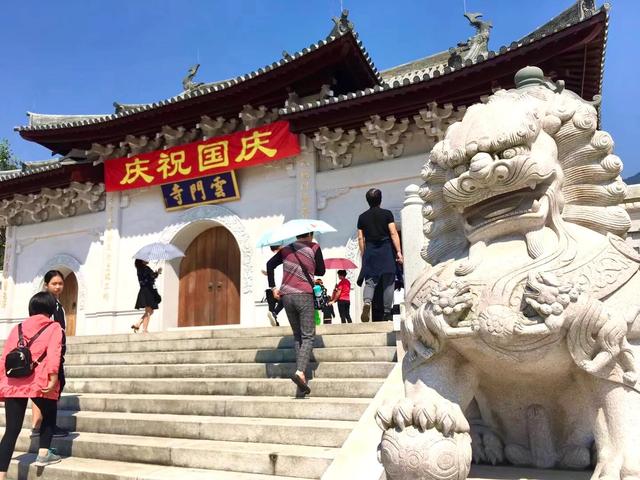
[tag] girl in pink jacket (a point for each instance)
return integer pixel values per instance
(41, 386)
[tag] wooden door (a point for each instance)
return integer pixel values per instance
(210, 280)
(69, 301)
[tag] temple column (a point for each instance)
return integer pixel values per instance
(111, 246)
(306, 179)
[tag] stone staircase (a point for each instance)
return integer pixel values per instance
(210, 404)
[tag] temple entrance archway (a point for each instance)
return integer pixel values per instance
(69, 301)
(209, 280)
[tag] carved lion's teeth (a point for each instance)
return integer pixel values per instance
(532, 185)
(535, 206)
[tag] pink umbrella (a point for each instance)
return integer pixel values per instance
(339, 264)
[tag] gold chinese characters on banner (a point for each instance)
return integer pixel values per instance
(193, 160)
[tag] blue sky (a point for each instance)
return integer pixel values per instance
(79, 56)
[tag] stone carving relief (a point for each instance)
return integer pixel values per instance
(33, 208)
(215, 127)
(255, 117)
(99, 153)
(435, 120)
(172, 137)
(527, 361)
(336, 146)
(388, 135)
(50, 204)
(142, 144)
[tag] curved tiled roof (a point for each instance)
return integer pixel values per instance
(428, 73)
(31, 169)
(51, 122)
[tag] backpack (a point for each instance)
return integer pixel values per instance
(17, 363)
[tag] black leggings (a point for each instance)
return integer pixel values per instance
(14, 409)
(343, 309)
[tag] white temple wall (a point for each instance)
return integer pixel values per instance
(70, 244)
(341, 199)
(99, 247)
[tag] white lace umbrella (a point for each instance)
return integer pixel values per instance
(299, 226)
(157, 251)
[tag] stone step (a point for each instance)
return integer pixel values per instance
(76, 468)
(327, 408)
(231, 332)
(315, 433)
(320, 387)
(336, 354)
(240, 343)
(482, 472)
(232, 370)
(256, 458)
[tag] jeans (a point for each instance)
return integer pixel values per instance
(14, 409)
(388, 286)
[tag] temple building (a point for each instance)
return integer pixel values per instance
(214, 167)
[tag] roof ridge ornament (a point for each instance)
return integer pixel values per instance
(477, 45)
(187, 82)
(587, 8)
(341, 25)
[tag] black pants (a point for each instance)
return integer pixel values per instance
(14, 409)
(301, 315)
(62, 380)
(275, 306)
(343, 310)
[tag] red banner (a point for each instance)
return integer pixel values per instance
(220, 154)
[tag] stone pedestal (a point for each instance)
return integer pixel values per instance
(510, 473)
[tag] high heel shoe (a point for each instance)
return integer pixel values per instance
(135, 328)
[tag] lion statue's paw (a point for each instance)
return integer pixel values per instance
(486, 447)
(424, 440)
(441, 414)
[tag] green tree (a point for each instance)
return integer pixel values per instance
(8, 161)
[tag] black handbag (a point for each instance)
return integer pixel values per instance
(17, 363)
(156, 295)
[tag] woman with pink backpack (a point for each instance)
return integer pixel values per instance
(31, 360)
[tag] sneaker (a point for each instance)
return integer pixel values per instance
(49, 459)
(35, 432)
(60, 432)
(273, 319)
(366, 308)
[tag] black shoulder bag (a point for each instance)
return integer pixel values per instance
(319, 302)
(18, 362)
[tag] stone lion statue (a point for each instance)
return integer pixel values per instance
(519, 333)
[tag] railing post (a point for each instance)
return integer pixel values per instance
(412, 235)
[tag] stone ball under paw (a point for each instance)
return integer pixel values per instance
(411, 454)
